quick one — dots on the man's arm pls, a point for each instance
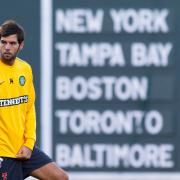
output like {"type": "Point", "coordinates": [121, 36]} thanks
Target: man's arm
{"type": "Point", "coordinates": [30, 123]}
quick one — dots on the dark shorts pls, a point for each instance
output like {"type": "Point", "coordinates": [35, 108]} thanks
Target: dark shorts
{"type": "Point", "coordinates": [13, 169]}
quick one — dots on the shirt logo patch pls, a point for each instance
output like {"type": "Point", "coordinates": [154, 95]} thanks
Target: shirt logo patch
{"type": "Point", "coordinates": [13, 101]}
{"type": "Point", "coordinates": [22, 80]}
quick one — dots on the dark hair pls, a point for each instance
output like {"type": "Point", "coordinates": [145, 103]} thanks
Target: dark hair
{"type": "Point", "coordinates": [10, 27]}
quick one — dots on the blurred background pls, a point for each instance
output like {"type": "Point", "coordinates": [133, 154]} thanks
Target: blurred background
{"type": "Point", "coordinates": [107, 84]}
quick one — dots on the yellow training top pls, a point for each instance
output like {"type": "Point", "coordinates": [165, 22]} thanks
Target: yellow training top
{"type": "Point", "coordinates": [17, 110]}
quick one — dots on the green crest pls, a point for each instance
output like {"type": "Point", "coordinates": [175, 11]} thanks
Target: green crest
{"type": "Point", "coordinates": [22, 80]}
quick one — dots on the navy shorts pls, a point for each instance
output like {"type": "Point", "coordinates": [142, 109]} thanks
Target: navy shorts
{"type": "Point", "coordinates": [14, 169]}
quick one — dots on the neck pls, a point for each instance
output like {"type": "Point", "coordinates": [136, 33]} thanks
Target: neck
{"type": "Point", "coordinates": [8, 62]}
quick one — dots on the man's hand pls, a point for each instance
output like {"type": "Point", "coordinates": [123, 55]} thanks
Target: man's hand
{"type": "Point", "coordinates": [24, 153]}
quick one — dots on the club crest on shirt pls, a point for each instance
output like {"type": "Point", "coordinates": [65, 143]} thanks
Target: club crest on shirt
{"type": "Point", "coordinates": [22, 80]}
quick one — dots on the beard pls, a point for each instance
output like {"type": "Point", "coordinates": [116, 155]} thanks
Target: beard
{"type": "Point", "coordinates": [8, 57]}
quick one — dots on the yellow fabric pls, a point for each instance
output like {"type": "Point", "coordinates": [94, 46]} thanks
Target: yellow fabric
{"type": "Point", "coordinates": [17, 111]}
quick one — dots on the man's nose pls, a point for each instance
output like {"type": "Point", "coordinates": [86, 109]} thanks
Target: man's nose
{"type": "Point", "coordinates": [7, 46]}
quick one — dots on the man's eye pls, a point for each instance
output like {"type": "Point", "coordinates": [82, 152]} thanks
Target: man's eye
{"type": "Point", "coordinates": [3, 42]}
{"type": "Point", "coordinates": [13, 43]}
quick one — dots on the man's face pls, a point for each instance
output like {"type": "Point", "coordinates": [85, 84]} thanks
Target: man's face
{"type": "Point", "coordinates": [9, 47]}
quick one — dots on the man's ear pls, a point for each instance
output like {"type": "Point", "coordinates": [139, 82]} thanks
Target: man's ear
{"type": "Point", "coordinates": [21, 45]}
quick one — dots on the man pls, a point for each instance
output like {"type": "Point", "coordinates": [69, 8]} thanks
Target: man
{"type": "Point", "coordinates": [19, 157]}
